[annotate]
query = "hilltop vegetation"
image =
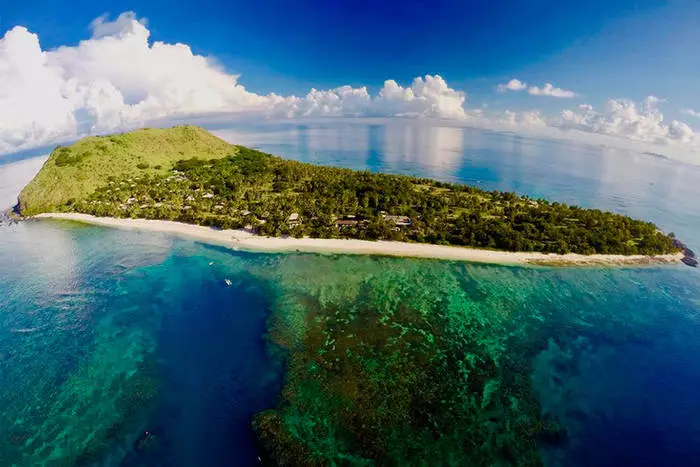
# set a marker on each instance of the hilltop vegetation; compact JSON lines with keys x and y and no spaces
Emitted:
{"x":72,"y":173}
{"x":186,"y":174}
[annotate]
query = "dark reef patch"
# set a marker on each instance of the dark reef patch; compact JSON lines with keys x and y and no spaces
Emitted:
{"x":402,"y":388}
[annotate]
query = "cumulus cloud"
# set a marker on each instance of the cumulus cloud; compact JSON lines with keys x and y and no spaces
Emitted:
{"x":532,"y":119}
{"x":118,"y":79}
{"x":628,"y":119}
{"x":547,"y":90}
{"x":512,"y":85}
{"x":529,"y":119}
{"x":429,"y":96}
{"x":112,"y":81}
{"x":32,"y":107}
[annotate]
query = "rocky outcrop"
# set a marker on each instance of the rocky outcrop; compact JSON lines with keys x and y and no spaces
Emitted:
{"x":7,"y":218}
{"x":689,"y":257}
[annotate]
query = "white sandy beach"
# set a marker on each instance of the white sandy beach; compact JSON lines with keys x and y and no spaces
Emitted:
{"x":243,"y":240}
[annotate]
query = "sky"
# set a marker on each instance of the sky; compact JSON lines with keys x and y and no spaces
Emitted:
{"x":623,"y":72}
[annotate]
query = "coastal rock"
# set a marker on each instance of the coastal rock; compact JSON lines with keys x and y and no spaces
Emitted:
{"x":689,"y":257}
{"x":6,"y":219}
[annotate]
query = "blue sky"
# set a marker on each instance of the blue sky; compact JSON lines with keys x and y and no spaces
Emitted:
{"x":599,"y":49}
{"x":602,"y":47}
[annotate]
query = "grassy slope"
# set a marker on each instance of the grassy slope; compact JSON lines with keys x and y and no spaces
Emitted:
{"x":74,"y":172}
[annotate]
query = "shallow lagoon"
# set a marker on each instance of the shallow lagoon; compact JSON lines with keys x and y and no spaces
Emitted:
{"x":125,"y":348}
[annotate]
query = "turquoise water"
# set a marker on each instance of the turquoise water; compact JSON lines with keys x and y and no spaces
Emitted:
{"x":105,"y":335}
{"x":127,"y":348}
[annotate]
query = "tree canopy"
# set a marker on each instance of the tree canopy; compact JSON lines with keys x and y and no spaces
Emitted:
{"x":276,"y":197}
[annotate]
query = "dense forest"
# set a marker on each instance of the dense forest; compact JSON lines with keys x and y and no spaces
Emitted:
{"x":275,"y":197}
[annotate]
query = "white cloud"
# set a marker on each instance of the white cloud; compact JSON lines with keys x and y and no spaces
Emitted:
{"x":628,"y":119}
{"x":118,"y":79}
{"x":549,"y":90}
{"x":532,"y":119}
{"x":691,"y":112}
{"x":32,"y":107}
{"x":512,"y":85}
{"x":426,"y":97}
{"x":429,"y":97}
{"x":528,"y":120}
{"x":124,"y":24}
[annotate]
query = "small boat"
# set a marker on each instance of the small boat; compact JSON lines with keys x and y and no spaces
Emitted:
{"x":211,"y":263}
{"x":228,"y":282}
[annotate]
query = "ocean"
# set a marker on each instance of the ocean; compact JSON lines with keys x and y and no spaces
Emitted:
{"x":130,"y":348}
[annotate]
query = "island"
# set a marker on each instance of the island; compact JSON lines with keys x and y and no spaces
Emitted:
{"x":384,"y":362}
{"x":186,"y":180}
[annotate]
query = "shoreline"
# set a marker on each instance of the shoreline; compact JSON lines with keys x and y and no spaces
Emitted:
{"x":246,"y":241}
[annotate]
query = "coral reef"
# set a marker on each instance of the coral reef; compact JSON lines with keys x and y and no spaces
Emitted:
{"x":400,"y":376}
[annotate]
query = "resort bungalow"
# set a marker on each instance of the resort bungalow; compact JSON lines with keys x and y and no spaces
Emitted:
{"x":293,"y":220}
{"x":399,"y":221}
{"x":350,"y":221}
{"x":345,"y":223}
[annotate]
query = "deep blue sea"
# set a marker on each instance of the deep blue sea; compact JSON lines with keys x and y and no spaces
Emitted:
{"x":129,"y":348}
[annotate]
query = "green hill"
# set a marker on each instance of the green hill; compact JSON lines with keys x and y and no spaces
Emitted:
{"x":74,"y":172}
